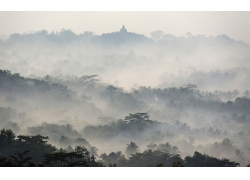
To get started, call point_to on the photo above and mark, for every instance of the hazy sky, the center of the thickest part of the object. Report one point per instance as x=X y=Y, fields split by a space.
x=234 y=24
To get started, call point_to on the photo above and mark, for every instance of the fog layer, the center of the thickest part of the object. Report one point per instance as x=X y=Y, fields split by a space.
x=106 y=91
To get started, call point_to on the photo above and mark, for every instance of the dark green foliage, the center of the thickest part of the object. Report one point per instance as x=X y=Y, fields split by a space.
x=43 y=154
x=199 y=160
x=20 y=159
x=138 y=117
x=32 y=139
x=64 y=159
x=114 y=158
x=80 y=157
x=151 y=158
x=7 y=137
x=4 y=162
x=36 y=145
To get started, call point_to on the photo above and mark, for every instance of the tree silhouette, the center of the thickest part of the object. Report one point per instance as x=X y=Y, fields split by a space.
x=7 y=137
x=93 y=151
x=138 y=117
x=199 y=160
x=4 y=162
x=20 y=159
x=177 y=164
x=132 y=148
x=79 y=157
x=151 y=158
x=114 y=158
x=64 y=159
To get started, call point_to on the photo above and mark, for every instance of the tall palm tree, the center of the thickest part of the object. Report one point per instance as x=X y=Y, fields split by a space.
x=19 y=159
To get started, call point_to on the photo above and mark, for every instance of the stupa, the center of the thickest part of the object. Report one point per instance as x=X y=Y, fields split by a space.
x=123 y=29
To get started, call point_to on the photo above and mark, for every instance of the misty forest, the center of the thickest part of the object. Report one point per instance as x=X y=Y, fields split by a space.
x=123 y=99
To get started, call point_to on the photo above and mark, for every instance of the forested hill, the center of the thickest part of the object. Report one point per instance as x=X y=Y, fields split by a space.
x=31 y=151
x=68 y=36
x=72 y=110
x=88 y=89
x=123 y=36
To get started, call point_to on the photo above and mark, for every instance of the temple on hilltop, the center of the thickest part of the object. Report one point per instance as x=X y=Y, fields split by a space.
x=123 y=29
x=122 y=36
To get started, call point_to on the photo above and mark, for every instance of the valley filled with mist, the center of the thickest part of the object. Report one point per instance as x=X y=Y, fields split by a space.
x=124 y=99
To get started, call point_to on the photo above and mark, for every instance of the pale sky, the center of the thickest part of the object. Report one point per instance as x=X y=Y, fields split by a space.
x=236 y=25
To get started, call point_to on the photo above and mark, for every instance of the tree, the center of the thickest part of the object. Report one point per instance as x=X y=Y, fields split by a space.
x=93 y=151
x=64 y=159
x=114 y=158
x=4 y=162
x=7 y=137
x=151 y=158
x=37 y=146
x=79 y=157
x=32 y=139
x=168 y=148
x=88 y=79
x=199 y=160
x=138 y=117
x=82 y=151
x=132 y=148
x=20 y=159
x=152 y=147
x=91 y=159
x=138 y=121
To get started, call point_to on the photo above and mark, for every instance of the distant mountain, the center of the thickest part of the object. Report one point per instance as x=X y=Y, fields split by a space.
x=165 y=41
x=66 y=36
